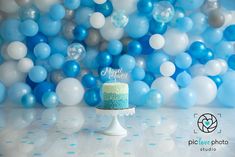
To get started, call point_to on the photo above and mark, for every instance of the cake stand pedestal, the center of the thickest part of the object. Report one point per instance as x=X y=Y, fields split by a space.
x=115 y=128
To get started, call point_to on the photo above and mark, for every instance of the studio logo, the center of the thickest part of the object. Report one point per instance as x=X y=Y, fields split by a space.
x=207 y=123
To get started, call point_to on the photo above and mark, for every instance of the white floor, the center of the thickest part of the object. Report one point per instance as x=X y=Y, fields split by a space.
x=72 y=132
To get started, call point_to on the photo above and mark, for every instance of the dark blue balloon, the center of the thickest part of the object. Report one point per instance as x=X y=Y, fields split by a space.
x=146 y=48
x=80 y=33
x=145 y=6
x=149 y=78
x=42 y=88
x=92 y=97
x=134 y=48
x=104 y=59
x=208 y=56
x=89 y=81
x=31 y=42
x=231 y=62
x=217 y=79
x=157 y=27
x=71 y=68
x=30 y=83
x=106 y=8
x=229 y=33
x=198 y=49
x=115 y=60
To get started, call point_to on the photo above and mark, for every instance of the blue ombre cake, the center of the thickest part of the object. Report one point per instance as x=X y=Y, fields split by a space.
x=115 y=95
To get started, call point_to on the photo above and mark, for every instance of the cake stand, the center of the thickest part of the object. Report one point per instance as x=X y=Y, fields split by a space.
x=115 y=128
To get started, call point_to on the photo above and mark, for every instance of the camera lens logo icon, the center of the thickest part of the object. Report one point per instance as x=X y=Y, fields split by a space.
x=207 y=123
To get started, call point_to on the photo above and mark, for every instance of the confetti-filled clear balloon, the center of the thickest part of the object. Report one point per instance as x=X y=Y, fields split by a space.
x=76 y=51
x=119 y=19
x=163 y=11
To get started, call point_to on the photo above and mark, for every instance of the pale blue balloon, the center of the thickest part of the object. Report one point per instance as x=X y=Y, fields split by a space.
x=212 y=36
x=185 y=98
x=2 y=92
x=190 y=4
x=17 y=91
x=226 y=94
x=154 y=99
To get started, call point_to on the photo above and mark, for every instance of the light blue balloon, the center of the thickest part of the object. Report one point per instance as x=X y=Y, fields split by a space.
x=183 y=60
x=42 y=50
x=72 y=4
x=57 y=12
x=137 y=26
x=183 y=79
x=82 y=16
x=137 y=92
x=126 y=63
x=38 y=74
x=115 y=47
x=184 y=24
x=90 y=60
x=212 y=36
x=226 y=94
x=56 y=60
x=50 y=99
x=190 y=4
x=59 y=45
x=229 y=76
x=29 y=28
x=138 y=73
x=154 y=61
x=2 y=92
x=48 y=26
x=28 y=100
x=199 y=23
x=228 y=4
x=224 y=49
x=17 y=91
x=154 y=99
x=185 y=98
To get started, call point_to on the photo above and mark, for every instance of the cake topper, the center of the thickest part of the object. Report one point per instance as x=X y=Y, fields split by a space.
x=114 y=74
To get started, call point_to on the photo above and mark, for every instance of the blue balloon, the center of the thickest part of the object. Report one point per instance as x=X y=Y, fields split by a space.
x=80 y=33
x=190 y=5
x=212 y=35
x=183 y=60
x=17 y=91
x=217 y=79
x=229 y=76
x=42 y=88
x=72 y=4
x=183 y=79
x=42 y=50
x=185 y=98
x=146 y=48
x=104 y=59
x=134 y=48
x=126 y=63
x=82 y=16
x=209 y=56
x=229 y=33
x=184 y=24
x=89 y=81
x=87 y=3
x=29 y=28
x=105 y=8
x=115 y=47
x=231 y=62
x=37 y=74
x=155 y=60
x=137 y=92
x=2 y=92
x=31 y=42
x=226 y=94
x=48 y=26
x=92 y=97
x=223 y=49
x=145 y=6
x=157 y=27
x=154 y=99
x=57 y=12
x=197 y=49
x=50 y=100
x=149 y=78
x=71 y=68
x=137 y=26
x=28 y=100
x=228 y=4
x=199 y=23
x=9 y=30
x=56 y=61
x=59 y=45
x=138 y=73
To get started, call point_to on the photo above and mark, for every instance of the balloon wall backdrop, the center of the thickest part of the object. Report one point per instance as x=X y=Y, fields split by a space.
x=171 y=52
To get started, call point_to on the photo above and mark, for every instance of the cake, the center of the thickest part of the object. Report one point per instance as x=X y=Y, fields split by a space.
x=115 y=95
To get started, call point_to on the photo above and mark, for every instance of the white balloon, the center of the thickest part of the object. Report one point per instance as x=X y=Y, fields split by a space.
x=197 y=70
x=224 y=65
x=167 y=68
x=9 y=6
x=167 y=86
x=17 y=50
x=9 y=74
x=175 y=42
x=100 y=1
x=213 y=68
x=204 y=88
x=44 y=5
x=110 y=32
x=129 y=6
x=157 y=41
x=97 y=20
x=24 y=65
x=70 y=91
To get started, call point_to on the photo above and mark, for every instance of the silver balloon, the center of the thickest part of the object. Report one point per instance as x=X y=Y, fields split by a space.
x=209 y=5
x=103 y=46
x=216 y=18
x=93 y=37
x=2 y=16
x=125 y=41
x=140 y=62
x=67 y=30
x=69 y=14
x=29 y=12
x=23 y=2
x=57 y=76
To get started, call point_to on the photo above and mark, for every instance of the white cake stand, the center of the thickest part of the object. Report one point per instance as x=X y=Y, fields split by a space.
x=115 y=128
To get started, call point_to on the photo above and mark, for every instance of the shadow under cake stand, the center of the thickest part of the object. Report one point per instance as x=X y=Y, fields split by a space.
x=115 y=128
